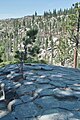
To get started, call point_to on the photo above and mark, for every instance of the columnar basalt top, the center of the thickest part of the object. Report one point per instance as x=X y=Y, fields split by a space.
x=45 y=92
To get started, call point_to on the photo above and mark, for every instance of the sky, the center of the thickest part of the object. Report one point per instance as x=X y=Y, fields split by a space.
x=21 y=8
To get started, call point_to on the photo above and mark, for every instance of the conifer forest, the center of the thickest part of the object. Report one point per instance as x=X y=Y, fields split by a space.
x=52 y=38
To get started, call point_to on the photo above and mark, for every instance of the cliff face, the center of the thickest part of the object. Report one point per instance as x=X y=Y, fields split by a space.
x=44 y=93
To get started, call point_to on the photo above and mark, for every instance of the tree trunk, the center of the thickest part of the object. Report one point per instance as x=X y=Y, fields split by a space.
x=25 y=53
x=21 y=65
x=52 y=56
x=62 y=62
x=75 y=58
x=77 y=42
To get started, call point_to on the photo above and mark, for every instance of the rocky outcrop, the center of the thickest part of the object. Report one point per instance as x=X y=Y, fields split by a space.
x=47 y=93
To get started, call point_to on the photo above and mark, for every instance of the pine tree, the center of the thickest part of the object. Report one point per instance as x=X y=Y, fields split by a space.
x=74 y=25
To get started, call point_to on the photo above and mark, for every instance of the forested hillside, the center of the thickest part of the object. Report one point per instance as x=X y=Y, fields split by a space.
x=51 y=38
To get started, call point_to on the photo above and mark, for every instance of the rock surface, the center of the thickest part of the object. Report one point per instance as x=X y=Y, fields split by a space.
x=46 y=93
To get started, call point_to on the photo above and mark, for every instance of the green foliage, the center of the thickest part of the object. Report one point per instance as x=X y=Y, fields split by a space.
x=1 y=60
x=25 y=38
x=2 y=64
x=1 y=52
x=35 y=50
x=19 y=55
x=33 y=60
x=54 y=13
x=64 y=52
x=32 y=34
x=29 y=40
